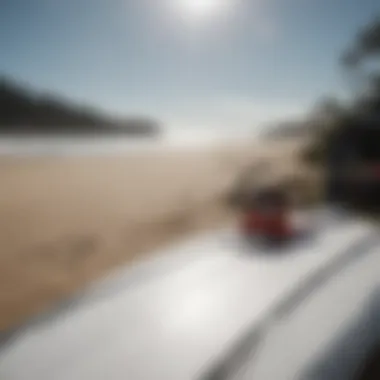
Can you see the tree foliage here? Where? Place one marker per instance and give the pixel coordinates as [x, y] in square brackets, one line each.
[366, 99]
[24, 110]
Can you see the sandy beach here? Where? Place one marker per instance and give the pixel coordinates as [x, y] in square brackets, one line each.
[66, 221]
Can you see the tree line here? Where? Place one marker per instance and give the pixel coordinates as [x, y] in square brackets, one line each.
[360, 63]
[23, 110]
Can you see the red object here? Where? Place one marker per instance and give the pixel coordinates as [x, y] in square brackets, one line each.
[268, 215]
[376, 171]
[273, 224]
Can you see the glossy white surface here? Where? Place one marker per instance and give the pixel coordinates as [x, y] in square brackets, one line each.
[330, 335]
[174, 317]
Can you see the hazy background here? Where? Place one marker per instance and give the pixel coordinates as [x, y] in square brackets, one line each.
[234, 67]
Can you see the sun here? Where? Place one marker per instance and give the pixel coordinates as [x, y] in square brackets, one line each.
[200, 8]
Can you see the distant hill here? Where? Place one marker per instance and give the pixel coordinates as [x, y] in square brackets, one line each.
[26, 111]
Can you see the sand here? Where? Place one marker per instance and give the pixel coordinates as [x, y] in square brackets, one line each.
[66, 221]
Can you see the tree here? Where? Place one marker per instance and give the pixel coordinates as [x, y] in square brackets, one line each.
[329, 116]
[365, 49]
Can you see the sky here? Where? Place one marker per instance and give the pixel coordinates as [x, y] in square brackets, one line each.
[242, 62]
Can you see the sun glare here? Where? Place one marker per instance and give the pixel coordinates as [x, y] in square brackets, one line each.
[200, 8]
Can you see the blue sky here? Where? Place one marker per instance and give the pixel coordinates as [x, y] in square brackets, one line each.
[255, 61]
